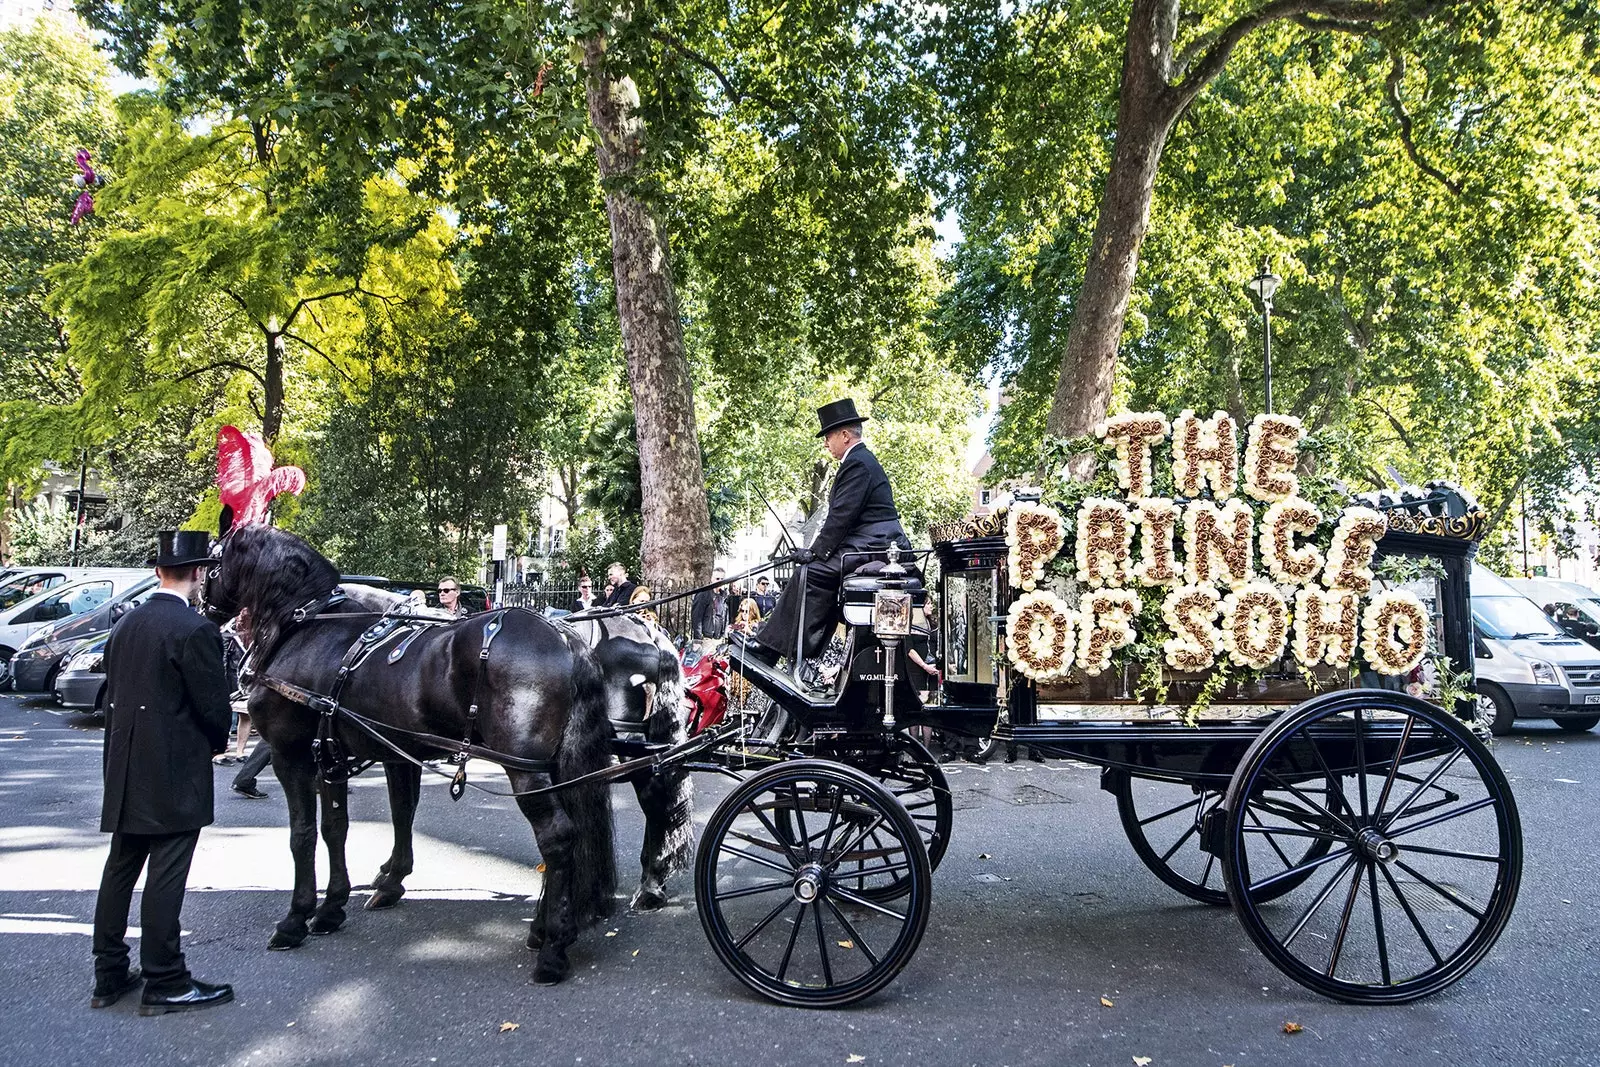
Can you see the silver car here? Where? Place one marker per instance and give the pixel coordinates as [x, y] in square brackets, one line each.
[1527, 667]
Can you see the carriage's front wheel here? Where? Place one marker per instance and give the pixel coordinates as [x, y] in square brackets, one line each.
[1423, 856]
[785, 911]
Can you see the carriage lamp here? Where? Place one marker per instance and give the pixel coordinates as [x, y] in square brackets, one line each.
[891, 613]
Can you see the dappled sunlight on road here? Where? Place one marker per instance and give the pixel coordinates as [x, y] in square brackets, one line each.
[52, 859]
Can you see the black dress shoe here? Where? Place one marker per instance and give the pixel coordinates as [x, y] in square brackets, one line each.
[108, 993]
[756, 650]
[197, 995]
[249, 792]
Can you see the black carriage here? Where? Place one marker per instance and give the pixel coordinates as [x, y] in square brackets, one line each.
[1363, 834]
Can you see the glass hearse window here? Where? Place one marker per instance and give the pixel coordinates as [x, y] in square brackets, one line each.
[968, 631]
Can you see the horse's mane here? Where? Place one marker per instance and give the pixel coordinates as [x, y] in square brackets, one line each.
[273, 572]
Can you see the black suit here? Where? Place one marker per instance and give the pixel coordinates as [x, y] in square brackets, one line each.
[861, 516]
[621, 594]
[167, 714]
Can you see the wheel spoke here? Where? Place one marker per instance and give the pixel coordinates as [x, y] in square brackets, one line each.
[863, 902]
[1344, 924]
[822, 946]
[1290, 831]
[1433, 776]
[1377, 923]
[1465, 809]
[1322, 895]
[1335, 782]
[794, 935]
[1309, 865]
[1190, 832]
[752, 890]
[834, 862]
[850, 928]
[1416, 925]
[1205, 875]
[1173, 811]
[1287, 862]
[1361, 760]
[1481, 857]
[1439, 889]
[762, 925]
[759, 860]
[1291, 787]
[799, 816]
[833, 822]
[1394, 768]
[772, 829]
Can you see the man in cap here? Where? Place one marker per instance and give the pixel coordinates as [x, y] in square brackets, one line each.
[861, 518]
[166, 716]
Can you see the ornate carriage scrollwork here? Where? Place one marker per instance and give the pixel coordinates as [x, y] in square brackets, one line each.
[990, 525]
[1469, 527]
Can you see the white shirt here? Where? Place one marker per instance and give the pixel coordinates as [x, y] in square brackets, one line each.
[167, 592]
[859, 442]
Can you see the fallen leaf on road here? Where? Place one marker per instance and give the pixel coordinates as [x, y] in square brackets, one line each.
[635, 952]
[853, 1058]
[1141, 1061]
[540, 868]
[1292, 1028]
[611, 933]
[983, 855]
[1106, 1003]
[506, 1028]
[847, 944]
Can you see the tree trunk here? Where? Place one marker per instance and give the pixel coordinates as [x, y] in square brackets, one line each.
[272, 405]
[676, 520]
[1146, 110]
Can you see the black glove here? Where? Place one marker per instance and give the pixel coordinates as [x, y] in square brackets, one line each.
[802, 555]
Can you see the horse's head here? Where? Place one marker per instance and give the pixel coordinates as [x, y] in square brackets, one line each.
[270, 572]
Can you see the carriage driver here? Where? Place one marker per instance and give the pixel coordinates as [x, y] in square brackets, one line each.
[861, 517]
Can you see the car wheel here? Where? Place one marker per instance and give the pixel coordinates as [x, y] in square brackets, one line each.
[5, 668]
[1494, 710]
[1579, 725]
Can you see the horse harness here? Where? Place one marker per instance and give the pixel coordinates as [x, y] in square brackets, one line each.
[335, 765]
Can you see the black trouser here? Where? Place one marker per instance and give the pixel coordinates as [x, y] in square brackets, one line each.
[159, 952]
[259, 757]
[821, 580]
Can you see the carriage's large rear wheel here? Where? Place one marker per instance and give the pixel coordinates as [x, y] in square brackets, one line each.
[793, 914]
[1424, 849]
[1166, 824]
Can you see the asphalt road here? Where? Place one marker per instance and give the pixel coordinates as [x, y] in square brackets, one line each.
[1021, 949]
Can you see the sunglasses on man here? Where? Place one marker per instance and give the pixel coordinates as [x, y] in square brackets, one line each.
[448, 589]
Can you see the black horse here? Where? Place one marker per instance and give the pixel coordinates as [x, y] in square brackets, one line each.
[541, 698]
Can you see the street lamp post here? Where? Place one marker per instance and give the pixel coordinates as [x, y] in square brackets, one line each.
[1264, 284]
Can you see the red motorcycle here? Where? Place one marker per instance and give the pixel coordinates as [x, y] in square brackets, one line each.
[705, 690]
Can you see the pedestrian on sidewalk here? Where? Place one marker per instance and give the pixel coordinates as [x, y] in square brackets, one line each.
[166, 716]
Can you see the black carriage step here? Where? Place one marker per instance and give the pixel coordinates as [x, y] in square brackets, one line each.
[780, 685]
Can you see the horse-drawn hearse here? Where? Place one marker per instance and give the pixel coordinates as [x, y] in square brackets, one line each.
[1275, 682]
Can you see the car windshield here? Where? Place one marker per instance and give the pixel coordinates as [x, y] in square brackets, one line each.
[1512, 617]
[14, 591]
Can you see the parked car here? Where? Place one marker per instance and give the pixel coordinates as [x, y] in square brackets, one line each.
[18, 622]
[1573, 607]
[1527, 667]
[34, 666]
[21, 583]
[81, 682]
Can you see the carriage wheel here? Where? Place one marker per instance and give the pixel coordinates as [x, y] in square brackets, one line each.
[917, 781]
[789, 918]
[1165, 823]
[1424, 852]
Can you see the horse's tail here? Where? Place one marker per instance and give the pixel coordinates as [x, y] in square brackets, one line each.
[668, 723]
[586, 747]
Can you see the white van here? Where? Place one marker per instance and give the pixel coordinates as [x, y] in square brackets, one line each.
[1573, 607]
[91, 589]
[1527, 667]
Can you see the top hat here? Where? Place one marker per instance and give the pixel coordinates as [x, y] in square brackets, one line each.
[837, 414]
[182, 548]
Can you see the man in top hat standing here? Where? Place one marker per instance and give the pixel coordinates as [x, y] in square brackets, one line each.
[861, 517]
[166, 716]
